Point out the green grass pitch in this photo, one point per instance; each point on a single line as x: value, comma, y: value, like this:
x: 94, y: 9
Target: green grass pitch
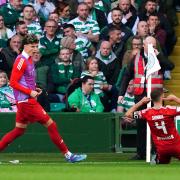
x: 109, y: 166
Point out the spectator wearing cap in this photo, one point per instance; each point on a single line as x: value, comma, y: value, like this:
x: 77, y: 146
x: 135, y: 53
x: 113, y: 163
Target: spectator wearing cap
x: 83, y: 45
x: 75, y: 56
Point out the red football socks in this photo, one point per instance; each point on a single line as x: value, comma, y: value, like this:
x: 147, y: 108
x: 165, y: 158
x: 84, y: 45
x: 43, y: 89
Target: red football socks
x: 11, y: 136
x: 56, y: 138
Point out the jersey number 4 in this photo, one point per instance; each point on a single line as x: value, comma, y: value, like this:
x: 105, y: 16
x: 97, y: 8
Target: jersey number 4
x: 162, y: 126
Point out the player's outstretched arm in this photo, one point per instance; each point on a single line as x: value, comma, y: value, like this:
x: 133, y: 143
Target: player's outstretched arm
x: 134, y: 108
x: 172, y: 97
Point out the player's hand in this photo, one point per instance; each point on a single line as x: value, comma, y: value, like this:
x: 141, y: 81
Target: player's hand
x: 145, y: 100
x: 156, y: 51
x: 39, y: 90
x: 120, y: 99
x: 171, y: 97
x: 34, y: 94
x: 127, y: 119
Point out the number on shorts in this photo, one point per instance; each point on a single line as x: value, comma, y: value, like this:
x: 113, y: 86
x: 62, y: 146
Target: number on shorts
x: 161, y: 126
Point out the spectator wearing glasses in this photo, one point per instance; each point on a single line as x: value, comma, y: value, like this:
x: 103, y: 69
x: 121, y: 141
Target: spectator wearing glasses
x: 136, y: 45
x: 49, y: 46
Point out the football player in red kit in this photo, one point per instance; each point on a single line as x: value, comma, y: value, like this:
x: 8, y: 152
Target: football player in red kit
x: 29, y: 110
x: 161, y: 122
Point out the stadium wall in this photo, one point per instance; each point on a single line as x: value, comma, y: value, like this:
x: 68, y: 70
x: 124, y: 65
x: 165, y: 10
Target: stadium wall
x: 82, y: 132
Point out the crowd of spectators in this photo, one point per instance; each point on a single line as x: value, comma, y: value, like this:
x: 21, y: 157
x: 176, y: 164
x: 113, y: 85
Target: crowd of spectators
x: 85, y: 38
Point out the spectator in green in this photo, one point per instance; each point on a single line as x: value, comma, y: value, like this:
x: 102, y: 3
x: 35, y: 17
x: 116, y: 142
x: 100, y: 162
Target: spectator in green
x: 7, y: 100
x: 49, y: 44
x: 84, y: 99
x: 5, y: 33
x: 105, y: 91
x: 76, y: 57
x: 28, y: 17
x: 108, y: 62
x: 62, y: 73
x: 83, y: 45
x: 85, y: 26
x: 54, y: 16
x: 128, y: 100
x: 11, y: 12
x: 96, y: 14
x: 104, y: 5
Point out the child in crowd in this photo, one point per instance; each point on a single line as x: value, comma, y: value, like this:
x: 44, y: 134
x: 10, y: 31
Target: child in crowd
x: 7, y: 100
x: 101, y: 87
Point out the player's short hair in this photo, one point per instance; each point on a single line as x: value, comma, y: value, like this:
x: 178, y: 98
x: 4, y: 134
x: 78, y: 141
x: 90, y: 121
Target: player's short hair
x: 156, y: 94
x: 85, y: 79
x: 30, y: 39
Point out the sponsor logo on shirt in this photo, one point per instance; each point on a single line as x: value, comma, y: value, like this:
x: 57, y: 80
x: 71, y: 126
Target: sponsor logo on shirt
x: 165, y: 138
x: 157, y: 117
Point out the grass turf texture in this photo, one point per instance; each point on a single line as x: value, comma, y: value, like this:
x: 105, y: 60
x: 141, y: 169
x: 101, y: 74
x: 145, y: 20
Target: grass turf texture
x: 109, y: 166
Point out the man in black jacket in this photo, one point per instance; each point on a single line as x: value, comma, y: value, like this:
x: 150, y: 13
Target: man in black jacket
x: 9, y: 54
x: 130, y: 74
x: 151, y: 7
x: 96, y: 14
x: 117, y: 16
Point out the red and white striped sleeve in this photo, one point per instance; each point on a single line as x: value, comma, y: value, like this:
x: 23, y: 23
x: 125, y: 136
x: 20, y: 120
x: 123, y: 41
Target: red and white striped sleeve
x: 17, y: 73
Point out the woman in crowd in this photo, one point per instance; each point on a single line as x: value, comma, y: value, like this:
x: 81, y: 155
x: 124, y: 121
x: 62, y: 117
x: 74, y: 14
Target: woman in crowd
x: 5, y: 33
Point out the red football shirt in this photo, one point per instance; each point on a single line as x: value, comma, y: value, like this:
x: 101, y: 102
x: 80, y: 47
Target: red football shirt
x: 161, y: 123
